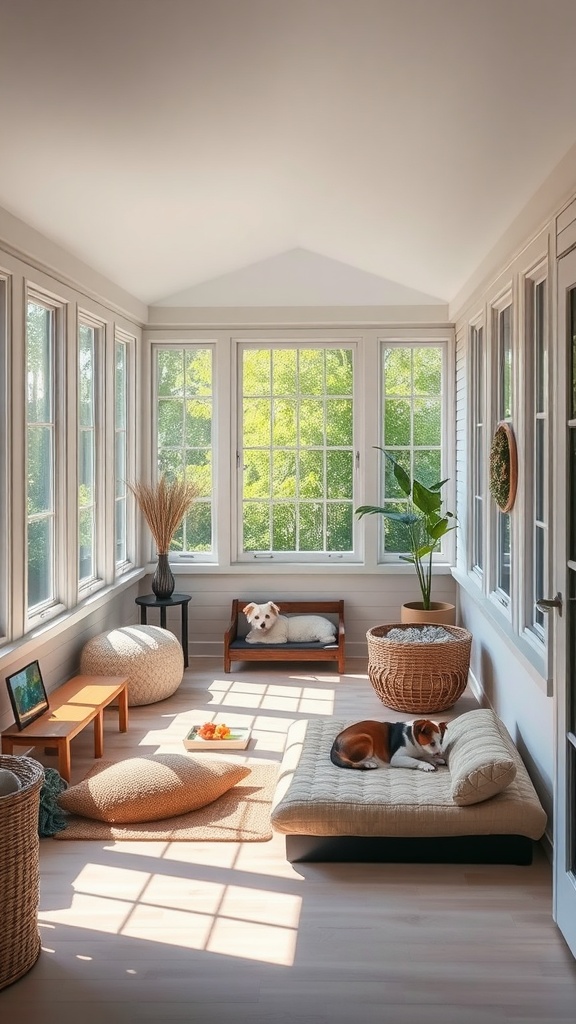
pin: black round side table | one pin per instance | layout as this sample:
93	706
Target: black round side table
151	601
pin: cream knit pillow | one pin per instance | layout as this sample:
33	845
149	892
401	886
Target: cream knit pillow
480	756
151	788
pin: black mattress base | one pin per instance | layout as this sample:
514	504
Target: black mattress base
496	849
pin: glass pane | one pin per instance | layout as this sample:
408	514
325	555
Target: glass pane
85	467
121	554
427	421
170	369
198	528
339	516
339	423
171	463
284	527
504	552
572	329
120	386
198	423
339	474
198	364
391	487
284	423
256	372
284	475
120	464
311	474
311	526
571	523
539	471
427	363
40	560
478	520
396	536
339	372
428	467
257	526
505	351
198	467
257	422
311	422
256	474
397	371
86	544
284	371
40	470
86	375
39	363
397	422
540	344
539	548
311	372
170	423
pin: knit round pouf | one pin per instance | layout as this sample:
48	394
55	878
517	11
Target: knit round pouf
150	657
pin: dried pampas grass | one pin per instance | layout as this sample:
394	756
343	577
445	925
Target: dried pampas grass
164	506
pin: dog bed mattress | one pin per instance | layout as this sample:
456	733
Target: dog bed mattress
315	798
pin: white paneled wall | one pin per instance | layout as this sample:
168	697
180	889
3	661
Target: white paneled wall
371	599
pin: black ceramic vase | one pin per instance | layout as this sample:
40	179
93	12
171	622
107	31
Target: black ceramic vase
163	580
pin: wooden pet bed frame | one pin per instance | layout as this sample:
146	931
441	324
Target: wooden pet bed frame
237	649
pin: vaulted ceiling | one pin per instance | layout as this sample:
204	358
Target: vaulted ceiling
264	152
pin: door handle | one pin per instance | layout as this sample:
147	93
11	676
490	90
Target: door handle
547	604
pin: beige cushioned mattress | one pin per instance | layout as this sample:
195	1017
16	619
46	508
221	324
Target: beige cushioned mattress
314	797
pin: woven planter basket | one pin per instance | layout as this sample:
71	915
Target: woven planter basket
418	677
19	870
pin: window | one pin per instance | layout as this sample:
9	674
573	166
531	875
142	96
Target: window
503	328
5	420
536	447
296	456
89	340
477	399
184	414
41	407
120	452
413	426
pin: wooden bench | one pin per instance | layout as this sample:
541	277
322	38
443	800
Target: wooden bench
72	707
236	647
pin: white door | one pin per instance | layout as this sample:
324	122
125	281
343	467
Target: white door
565	616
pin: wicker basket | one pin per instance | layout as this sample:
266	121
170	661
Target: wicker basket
418	677
19	870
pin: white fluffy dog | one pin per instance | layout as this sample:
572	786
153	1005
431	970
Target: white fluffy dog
269	627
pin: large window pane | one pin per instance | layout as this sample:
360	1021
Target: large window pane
87	335
120	451
40	452
297	450
184	416
412	427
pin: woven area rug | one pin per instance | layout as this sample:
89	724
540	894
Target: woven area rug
242	815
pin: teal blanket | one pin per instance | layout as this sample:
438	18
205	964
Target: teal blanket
51	817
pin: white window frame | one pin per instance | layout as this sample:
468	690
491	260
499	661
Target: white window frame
478	505
444	342
120	567
93	583
48	609
6	419
534	632
504	601
298	558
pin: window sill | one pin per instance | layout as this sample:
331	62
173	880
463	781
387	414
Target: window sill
17	649
290	568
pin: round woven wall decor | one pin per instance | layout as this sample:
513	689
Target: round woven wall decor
503	467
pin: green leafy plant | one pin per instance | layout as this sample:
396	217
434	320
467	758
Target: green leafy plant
425	522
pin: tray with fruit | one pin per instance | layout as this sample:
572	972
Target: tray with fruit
217	736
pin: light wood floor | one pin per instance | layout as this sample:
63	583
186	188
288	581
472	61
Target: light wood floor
218	932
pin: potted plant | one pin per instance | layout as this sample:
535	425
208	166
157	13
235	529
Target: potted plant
425	525
164	505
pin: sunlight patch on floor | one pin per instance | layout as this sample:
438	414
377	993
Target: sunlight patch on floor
247	922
